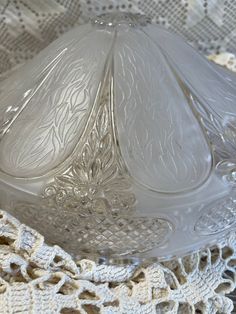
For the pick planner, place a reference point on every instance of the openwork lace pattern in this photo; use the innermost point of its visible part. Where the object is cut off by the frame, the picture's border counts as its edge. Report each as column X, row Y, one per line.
column 37, row 278
column 27, row 26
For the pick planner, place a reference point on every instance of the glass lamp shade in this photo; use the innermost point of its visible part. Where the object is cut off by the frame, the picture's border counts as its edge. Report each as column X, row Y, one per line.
column 118, row 141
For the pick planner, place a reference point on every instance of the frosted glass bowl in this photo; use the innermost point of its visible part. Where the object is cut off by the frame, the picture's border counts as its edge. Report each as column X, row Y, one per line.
column 118, row 142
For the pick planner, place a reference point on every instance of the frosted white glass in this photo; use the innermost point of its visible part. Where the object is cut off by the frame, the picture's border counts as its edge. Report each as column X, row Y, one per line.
column 118, row 142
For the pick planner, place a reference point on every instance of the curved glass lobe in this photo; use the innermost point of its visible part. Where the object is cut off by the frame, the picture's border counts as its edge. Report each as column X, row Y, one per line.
column 161, row 141
column 213, row 90
column 55, row 111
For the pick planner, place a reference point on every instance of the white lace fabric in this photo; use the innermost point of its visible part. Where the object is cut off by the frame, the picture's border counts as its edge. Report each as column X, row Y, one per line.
column 27, row 26
column 39, row 279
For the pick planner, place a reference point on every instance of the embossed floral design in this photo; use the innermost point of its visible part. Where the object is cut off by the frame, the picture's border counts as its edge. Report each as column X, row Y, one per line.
column 94, row 181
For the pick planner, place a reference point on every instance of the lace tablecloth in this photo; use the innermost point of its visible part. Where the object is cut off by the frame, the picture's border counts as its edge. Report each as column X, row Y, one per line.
column 27, row 26
column 37, row 278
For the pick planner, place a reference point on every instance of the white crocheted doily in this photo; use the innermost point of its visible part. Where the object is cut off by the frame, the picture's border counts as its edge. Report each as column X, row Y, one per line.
column 39, row 279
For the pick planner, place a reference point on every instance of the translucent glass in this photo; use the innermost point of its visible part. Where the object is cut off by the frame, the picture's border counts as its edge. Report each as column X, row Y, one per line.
column 118, row 142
